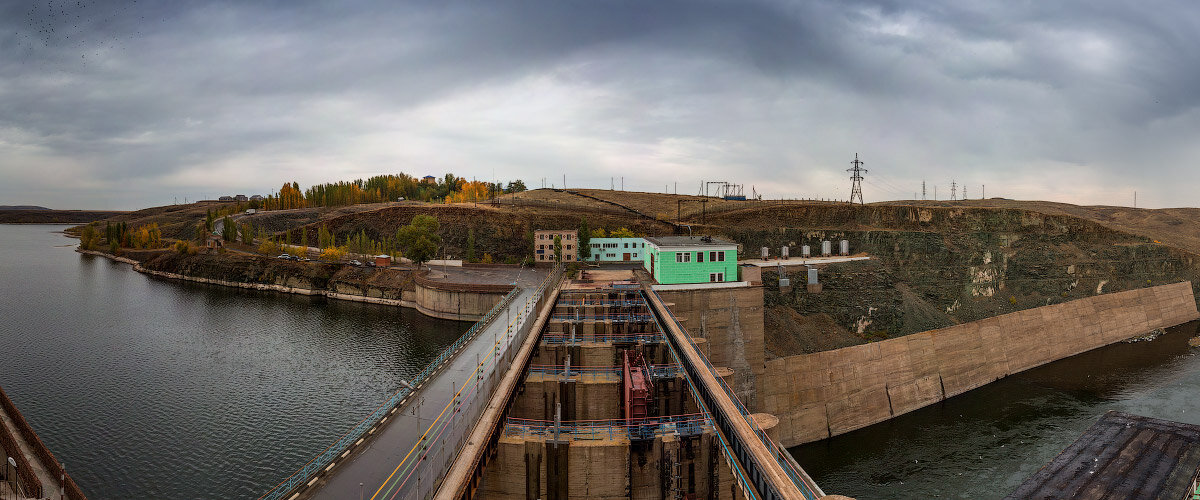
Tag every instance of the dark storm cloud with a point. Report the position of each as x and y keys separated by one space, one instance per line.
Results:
x=188 y=98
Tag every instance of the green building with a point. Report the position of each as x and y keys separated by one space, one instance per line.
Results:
x=675 y=260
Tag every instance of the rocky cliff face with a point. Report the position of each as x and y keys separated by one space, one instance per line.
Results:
x=933 y=268
x=239 y=268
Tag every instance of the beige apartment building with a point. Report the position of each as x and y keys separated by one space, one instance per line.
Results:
x=543 y=245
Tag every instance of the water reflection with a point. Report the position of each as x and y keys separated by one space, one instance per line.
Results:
x=150 y=388
x=984 y=443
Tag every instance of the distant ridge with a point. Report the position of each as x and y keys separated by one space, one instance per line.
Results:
x=22 y=207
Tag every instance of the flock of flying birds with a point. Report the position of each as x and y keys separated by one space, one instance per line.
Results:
x=55 y=29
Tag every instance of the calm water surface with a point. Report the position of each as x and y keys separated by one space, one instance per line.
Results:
x=984 y=443
x=147 y=388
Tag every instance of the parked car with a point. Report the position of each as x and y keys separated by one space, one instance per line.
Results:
x=283 y=256
x=356 y=263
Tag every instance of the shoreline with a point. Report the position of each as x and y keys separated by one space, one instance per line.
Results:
x=137 y=266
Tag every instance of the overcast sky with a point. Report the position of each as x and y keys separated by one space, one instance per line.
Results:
x=126 y=105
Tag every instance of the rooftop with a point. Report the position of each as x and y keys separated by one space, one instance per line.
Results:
x=688 y=241
x=1121 y=456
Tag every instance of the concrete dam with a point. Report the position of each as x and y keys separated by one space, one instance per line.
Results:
x=603 y=387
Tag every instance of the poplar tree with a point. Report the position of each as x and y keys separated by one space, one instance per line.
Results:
x=585 y=240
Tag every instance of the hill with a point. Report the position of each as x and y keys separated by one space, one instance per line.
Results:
x=934 y=264
x=22 y=207
x=14 y=215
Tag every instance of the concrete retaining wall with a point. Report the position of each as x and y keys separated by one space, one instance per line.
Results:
x=454 y=301
x=731 y=320
x=825 y=394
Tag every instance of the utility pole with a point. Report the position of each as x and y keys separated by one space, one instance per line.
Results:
x=1135 y=199
x=984 y=187
x=964 y=191
x=935 y=193
x=622 y=183
x=856 y=178
x=953 y=192
x=922 y=189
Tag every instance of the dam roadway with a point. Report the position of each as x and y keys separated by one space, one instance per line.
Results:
x=761 y=468
x=403 y=450
x=434 y=441
x=379 y=467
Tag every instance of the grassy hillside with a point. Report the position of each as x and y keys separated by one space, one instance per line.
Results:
x=935 y=263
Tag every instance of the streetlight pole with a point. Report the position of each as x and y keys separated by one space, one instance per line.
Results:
x=13 y=463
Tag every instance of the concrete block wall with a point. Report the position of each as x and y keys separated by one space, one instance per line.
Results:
x=819 y=395
x=730 y=320
x=608 y=469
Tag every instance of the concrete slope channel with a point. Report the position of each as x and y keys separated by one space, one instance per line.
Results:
x=405 y=447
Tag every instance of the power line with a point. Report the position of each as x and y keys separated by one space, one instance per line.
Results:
x=856 y=178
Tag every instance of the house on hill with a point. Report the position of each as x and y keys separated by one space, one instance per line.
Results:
x=213 y=242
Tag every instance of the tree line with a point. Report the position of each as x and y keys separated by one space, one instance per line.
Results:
x=389 y=187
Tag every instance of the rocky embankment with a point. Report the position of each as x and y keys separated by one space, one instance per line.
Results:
x=937 y=267
x=382 y=286
x=388 y=286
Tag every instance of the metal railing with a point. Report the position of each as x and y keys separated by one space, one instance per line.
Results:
x=562 y=338
x=615 y=317
x=731 y=458
x=438 y=447
x=600 y=302
x=333 y=451
x=801 y=480
x=668 y=370
x=634 y=428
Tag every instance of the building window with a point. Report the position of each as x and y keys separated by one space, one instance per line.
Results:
x=716 y=277
x=699 y=256
x=712 y=256
x=720 y=256
x=683 y=256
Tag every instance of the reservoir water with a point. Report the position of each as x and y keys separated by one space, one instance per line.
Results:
x=984 y=443
x=153 y=389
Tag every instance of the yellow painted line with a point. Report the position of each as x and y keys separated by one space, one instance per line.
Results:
x=427 y=430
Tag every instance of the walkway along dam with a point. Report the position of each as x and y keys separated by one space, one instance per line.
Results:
x=594 y=388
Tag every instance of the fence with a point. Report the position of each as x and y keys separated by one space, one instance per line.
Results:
x=804 y=483
x=419 y=473
x=669 y=370
x=28 y=481
x=333 y=451
x=562 y=338
x=69 y=488
x=633 y=428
